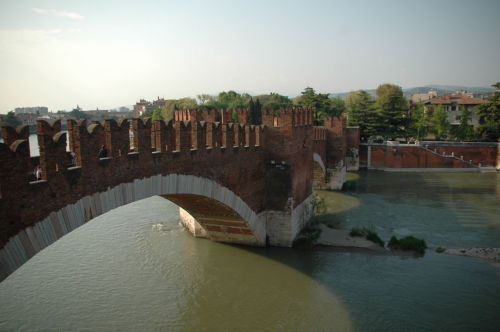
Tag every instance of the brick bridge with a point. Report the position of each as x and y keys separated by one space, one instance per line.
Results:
x=233 y=182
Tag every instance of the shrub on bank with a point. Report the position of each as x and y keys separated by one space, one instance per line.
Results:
x=408 y=243
x=307 y=238
x=372 y=236
x=361 y=232
x=319 y=205
x=368 y=234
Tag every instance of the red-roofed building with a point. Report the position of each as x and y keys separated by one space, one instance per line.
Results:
x=453 y=104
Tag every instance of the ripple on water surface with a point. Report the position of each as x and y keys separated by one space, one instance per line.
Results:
x=135 y=268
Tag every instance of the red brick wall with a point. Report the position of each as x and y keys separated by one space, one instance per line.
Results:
x=383 y=156
x=486 y=155
x=235 y=156
x=23 y=203
x=333 y=140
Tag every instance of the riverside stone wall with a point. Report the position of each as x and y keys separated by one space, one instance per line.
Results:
x=430 y=155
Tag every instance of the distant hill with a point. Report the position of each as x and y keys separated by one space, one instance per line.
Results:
x=441 y=90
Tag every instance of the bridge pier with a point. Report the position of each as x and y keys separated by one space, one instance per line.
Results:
x=193 y=226
x=283 y=226
x=336 y=177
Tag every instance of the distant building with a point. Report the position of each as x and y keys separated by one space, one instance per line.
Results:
x=27 y=118
x=40 y=110
x=418 y=98
x=453 y=104
x=144 y=105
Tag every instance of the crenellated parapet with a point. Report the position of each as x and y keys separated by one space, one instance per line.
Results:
x=52 y=147
x=197 y=115
x=199 y=136
x=117 y=137
x=183 y=136
x=163 y=136
x=10 y=135
x=288 y=118
x=141 y=133
x=86 y=141
x=243 y=117
x=320 y=133
x=15 y=168
x=335 y=125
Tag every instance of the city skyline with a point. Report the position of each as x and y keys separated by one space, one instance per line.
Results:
x=59 y=54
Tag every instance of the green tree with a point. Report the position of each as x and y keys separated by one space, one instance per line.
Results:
x=255 y=110
x=362 y=112
x=440 y=123
x=78 y=114
x=258 y=112
x=337 y=106
x=489 y=116
x=10 y=120
x=465 y=131
x=420 y=122
x=278 y=101
x=231 y=100
x=205 y=99
x=146 y=114
x=393 y=109
x=323 y=106
x=157 y=114
x=273 y=101
x=186 y=103
x=167 y=112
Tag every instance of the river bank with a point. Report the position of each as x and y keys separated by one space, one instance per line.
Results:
x=490 y=254
x=340 y=238
x=395 y=215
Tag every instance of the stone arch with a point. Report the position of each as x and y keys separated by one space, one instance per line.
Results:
x=235 y=218
x=319 y=172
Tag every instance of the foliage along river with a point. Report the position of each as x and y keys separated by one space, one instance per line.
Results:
x=135 y=268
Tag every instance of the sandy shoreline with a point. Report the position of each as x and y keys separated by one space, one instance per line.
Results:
x=341 y=238
x=491 y=254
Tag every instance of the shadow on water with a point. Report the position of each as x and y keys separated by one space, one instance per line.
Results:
x=393 y=291
x=387 y=291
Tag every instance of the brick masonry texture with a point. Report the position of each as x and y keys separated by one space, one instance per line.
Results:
x=387 y=156
x=263 y=165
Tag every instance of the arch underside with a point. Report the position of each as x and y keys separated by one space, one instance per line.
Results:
x=220 y=212
x=319 y=172
x=218 y=221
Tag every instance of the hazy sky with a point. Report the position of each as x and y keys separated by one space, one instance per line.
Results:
x=111 y=53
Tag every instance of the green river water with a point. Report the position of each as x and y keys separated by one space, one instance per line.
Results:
x=136 y=269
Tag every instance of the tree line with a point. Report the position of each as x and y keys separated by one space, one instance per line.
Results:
x=387 y=114
x=322 y=104
x=390 y=116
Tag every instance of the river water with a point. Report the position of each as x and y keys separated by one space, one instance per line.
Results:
x=136 y=269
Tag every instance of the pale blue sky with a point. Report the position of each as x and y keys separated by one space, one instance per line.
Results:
x=110 y=53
